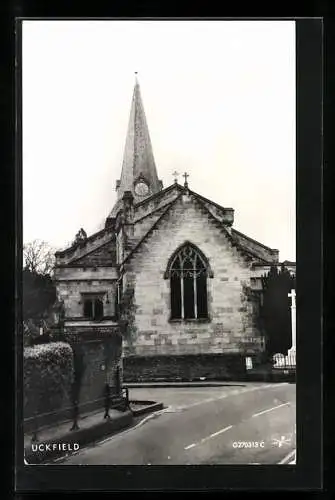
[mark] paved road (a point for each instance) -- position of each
(236, 424)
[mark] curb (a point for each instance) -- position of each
(272, 378)
(150, 385)
(152, 407)
(81, 437)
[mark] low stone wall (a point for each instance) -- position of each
(186, 367)
(98, 355)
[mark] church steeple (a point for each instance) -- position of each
(139, 173)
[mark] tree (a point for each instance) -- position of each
(39, 295)
(38, 258)
(39, 291)
(276, 314)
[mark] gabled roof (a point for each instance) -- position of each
(73, 247)
(249, 254)
(237, 239)
(245, 250)
(160, 194)
(238, 235)
(148, 200)
(110, 260)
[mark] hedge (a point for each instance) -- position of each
(48, 377)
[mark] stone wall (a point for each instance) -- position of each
(100, 350)
(230, 311)
(70, 291)
(97, 373)
(184, 368)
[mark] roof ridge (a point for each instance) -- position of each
(61, 253)
(210, 201)
(195, 197)
(152, 212)
(253, 240)
(91, 251)
(155, 195)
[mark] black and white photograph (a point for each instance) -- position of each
(159, 242)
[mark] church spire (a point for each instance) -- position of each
(139, 174)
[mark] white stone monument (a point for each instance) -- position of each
(248, 363)
(281, 361)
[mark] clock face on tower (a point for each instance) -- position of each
(141, 188)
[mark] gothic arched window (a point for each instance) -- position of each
(188, 271)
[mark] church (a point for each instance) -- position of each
(168, 273)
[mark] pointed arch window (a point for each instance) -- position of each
(188, 271)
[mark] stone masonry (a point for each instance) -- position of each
(230, 318)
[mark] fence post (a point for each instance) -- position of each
(79, 367)
(75, 416)
(34, 437)
(107, 401)
(127, 398)
(75, 404)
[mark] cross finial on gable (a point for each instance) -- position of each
(185, 175)
(175, 175)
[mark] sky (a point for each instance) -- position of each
(219, 98)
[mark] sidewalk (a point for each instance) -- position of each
(58, 440)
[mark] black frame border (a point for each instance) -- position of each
(307, 474)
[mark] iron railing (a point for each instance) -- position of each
(111, 400)
(282, 361)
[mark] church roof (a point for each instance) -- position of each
(138, 159)
(91, 238)
(237, 239)
(160, 204)
(139, 164)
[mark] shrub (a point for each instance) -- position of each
(48, 377)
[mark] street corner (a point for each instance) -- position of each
(139, 408)
(51, 445)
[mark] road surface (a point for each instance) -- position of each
(252, 423)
